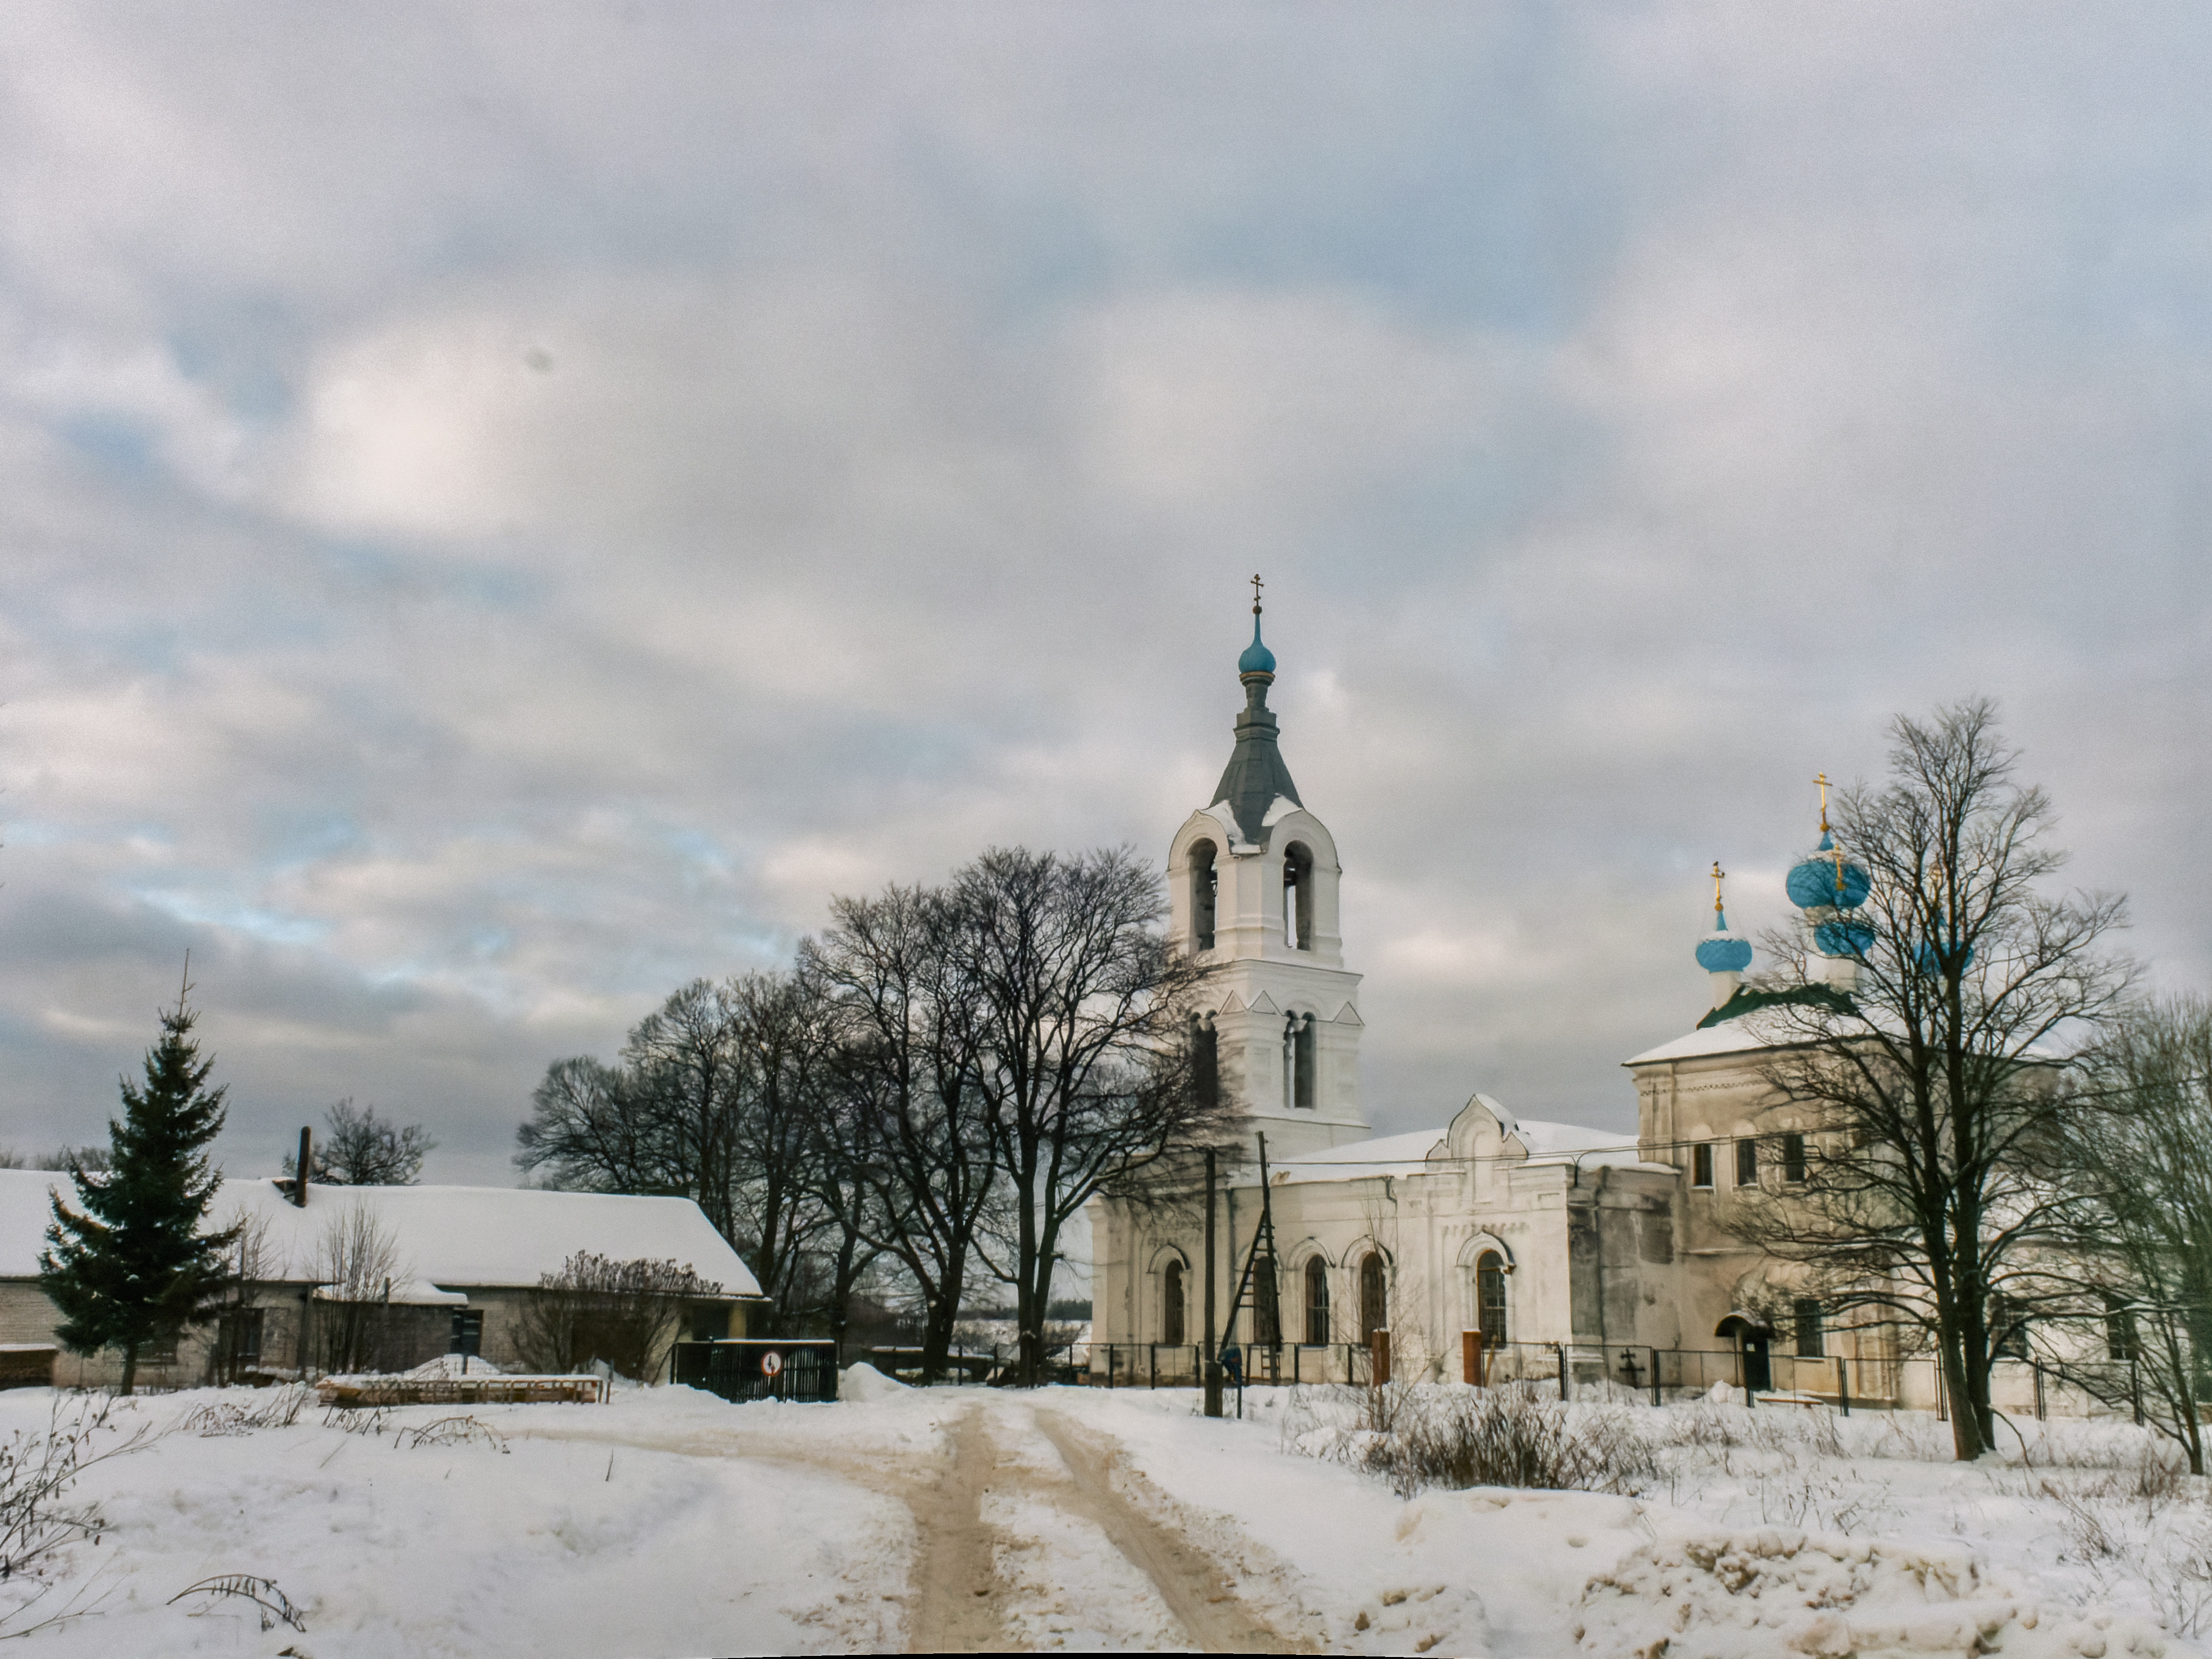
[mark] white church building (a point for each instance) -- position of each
(1567, 1248)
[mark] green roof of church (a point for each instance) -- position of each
(1256, 773)
(1749, 1001)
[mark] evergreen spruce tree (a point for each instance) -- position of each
(134, 1268)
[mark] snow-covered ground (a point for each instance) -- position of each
(668, 1523)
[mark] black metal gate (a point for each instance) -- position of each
(758, 1368)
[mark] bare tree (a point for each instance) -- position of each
(1084, 1015)
(359, 1149)
(2138, 1148)
(624, 1313)
(588, 1132)
(356, 1262)
(661, 1122)
(782, 1032)
(1929, 1094)
(254, 1262)
(907, 1129)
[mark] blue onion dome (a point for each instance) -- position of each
(1843, 938)
(1257, 659)
(1814, 881)
(1720, 951)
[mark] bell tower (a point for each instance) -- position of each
(1252, 886)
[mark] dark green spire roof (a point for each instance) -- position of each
(1256, 773)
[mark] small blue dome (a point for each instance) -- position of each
(1257, 659)
(1723, 953)
(1843, 938)
(1812, 882)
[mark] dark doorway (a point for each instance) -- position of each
(1171, 1305)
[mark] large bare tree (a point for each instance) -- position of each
(2138, 1149)
(906, 1138)
(1932, 1090)
(1083, 1013)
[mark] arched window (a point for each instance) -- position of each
(1316, 1303)
(1300, 1055)
(1205, 1061)
(1298, 897)
(1374, 1296)
(1204, 882)
(1267, 1306)
(1490, 1297)
(1171, 1305)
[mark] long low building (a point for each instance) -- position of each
(391, 1275)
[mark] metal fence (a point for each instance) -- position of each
(1624, 1373)
(757, 1369)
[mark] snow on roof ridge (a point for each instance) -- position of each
(480, 1236)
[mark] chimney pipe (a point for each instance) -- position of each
(307, 1163)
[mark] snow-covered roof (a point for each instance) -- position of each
(1386, 1155)
(1728, 1037)
(447, 1235)
(1407, 1154)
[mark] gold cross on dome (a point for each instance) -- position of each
(1719, 875)
(1256, 585)
(1823, 781)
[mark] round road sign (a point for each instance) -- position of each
(771, 1363)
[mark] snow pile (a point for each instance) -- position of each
(864, 1385)
(1751, 1595)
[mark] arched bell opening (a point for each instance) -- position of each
(1297, 896)
(1204, 888)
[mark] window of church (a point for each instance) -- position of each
(1490, 1297)
(1205, 1061)
(1171, 1320)
(1205, 883)
(2119, 1327)
(1793, 1158)
(1811, 1343)
(1374, 1296)
(1316, 1303)
(1266, 1307)
(1701, 1164)
(1298, 897)
(1301, 1055)
(1746, 1162)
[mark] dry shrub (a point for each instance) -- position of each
(452, 1432)
(36, 1470)
(1511, 1435)
(276, 1408)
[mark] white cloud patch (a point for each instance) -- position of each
(499, 522)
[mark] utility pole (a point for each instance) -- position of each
(1212, 1360)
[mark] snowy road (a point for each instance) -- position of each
(669, 1524)
(1019, 1537)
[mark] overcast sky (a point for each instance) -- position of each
(508, 509)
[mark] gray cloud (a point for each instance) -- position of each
(498, 521)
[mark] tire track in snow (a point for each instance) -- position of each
(952, 1601)
(1189, 1581)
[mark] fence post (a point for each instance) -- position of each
(1156, 1364)
(1843, 1383)
(1655, 1399)
(2038, 1365)
(1560, 1349)
(2135, 1387)
(1110, 1365)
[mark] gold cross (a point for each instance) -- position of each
(1823, 781)
(1256, 585)
(1719, 875)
